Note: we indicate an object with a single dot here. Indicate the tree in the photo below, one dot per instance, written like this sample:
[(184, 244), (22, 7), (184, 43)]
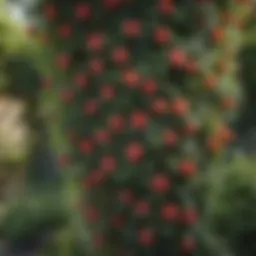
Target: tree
[(146, 89)]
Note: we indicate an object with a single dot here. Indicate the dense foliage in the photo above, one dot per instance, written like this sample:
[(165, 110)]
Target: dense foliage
[(32, 205), (230, 207), (147, 88)]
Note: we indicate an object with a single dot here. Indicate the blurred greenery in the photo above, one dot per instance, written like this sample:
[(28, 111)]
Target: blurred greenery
[(22, 71), (228, 191), (230, 203)]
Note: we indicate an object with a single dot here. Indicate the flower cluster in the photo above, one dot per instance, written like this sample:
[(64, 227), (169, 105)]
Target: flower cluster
[(149, 85)]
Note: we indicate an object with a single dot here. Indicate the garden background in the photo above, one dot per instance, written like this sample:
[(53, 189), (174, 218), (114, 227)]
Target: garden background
[(127, 128)]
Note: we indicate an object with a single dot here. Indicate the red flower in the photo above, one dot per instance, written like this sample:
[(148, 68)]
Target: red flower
[(139, 120), (162, 35), (226, 134), (81, 80), (65, 31), (160, 183), (146, 237), (107, 92), (112, 4), (166, 7), (96, 66), (142, 208), (91, 107), (86, 146), (178, 58), (170, 138), (160, 106), (192, 67), (116, 123), (108, 164), (132, 28), (134, 152), (210, 82), (179, 106), (188, 168), (131, 78), (188, 244), (95, 42), (191, 128), (102, 137), (229, 103), (218, 34), (214, 144), (95, 178), (190, 216), (83, 11), (120, 56), (169, 212), (149, 86)]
